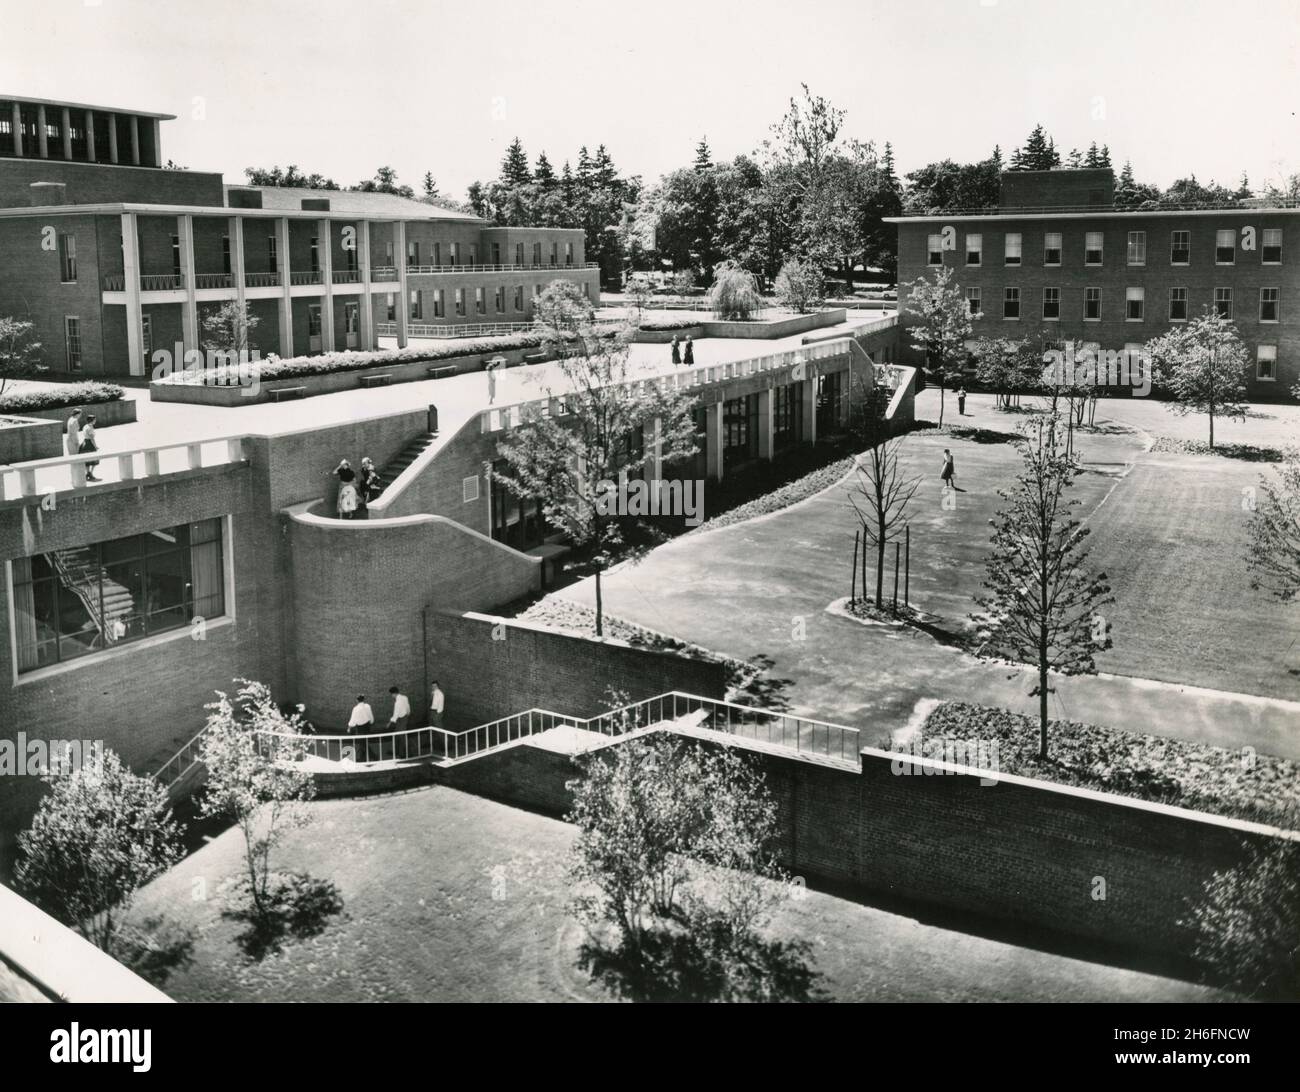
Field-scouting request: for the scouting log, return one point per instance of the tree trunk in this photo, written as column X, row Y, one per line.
column 941, row 388
column 600, row 630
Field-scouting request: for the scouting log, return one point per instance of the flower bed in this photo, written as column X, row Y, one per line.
column 27, row 400
column 1261, row 788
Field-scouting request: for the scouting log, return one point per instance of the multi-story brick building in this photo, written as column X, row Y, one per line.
column 1058, row 260
column 114, row 257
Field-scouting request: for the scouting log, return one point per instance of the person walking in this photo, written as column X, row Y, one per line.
column 689, row 356
column 362, row 719
column 401, row 717
column 961, row 401
column 949, row 471
column 437, row 703
column 677, row 351
column 492, row 383
column 348, row 498
column 368, row 486
column 72, row 434
column 88, row 444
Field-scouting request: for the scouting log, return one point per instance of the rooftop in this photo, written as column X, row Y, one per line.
column 1025, row 212
column 86, row 106
column 353, row 202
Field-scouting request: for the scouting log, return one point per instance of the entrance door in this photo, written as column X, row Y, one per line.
column 313, row 328
column 351, row 324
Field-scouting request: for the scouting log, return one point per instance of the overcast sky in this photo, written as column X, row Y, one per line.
column 341, row 86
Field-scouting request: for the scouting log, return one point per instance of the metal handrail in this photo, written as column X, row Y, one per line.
column 306, row 276
column 213, row 280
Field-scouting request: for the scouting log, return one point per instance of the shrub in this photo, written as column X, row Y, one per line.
column 734, row 294
column 800, row 286
column 73, row 394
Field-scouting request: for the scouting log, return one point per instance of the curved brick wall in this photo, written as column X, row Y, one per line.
column 359, row 589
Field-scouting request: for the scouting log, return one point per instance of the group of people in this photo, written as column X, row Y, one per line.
column 79, row 438
column 683, row 352
column 356, row 489
column 362, row 721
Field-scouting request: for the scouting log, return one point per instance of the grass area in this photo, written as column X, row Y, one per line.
column 1260, row 788
column 449, row 897
column 1253, row 453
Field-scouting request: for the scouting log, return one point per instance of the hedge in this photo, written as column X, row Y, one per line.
column 675, row 323
column 1262, row 788
column 73, row 394
column 273, row 367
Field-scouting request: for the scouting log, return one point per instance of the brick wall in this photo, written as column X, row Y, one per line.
column 90, row 184
column 1020, row 850
column 490, row 667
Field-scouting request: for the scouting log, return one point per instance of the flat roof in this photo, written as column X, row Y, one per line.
column 86, row 106
column 357, row 202
column 118, row 208
column 1082, row 214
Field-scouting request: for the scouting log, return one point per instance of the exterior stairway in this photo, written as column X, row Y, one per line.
column 403, row 459
column 105, row 600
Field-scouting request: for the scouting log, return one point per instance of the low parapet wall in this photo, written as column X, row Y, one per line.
column 25, row 438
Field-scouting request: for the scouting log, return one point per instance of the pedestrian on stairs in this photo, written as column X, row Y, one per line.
column 348, row 498
column 368, row 486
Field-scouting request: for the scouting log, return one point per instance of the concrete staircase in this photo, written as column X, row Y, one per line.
column 105, row 600
column 403, row 459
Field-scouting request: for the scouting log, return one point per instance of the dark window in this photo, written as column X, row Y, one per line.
column 739, row 430
column 830, row 393
column 1177, row 304
column 516, row 521
column 1180, row 247
column 787, row 415
column 1051, row 303
column 68, row 258
column 1092, row 303
column 1011, row 303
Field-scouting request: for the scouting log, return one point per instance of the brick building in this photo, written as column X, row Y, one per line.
column 1057, row 260
column 115, row 257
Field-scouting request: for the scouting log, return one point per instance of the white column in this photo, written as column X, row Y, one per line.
column 713, row 441
column 810, row 410
column 366, row 335
column 236, row 230
column 766, row 422
column 17, row 114
column 131, row 282
column 90, row 137
column 404, row 305
column 325, row 246
column 42, row 137
column 112, row 138
column 190, row 308
column 157, row 143
column 67, row 133
column 135, row 140
column 286, row 300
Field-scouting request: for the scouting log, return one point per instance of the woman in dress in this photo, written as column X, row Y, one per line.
column 88, row 444
column 368, row 487
column 348, row 497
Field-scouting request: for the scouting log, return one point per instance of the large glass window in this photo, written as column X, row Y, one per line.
column 68, row 258
column 739, row 430
column 85, row 599
column 830, row 394
column 787, row 415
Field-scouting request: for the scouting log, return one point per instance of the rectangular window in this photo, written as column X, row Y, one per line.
column 437, row 254
column 1266, row 362
column 176, row 256
column 454, row 253
column 974, row 249
column 1052, row 248
column 315, row 254
column 473, row 253
column 787, row 415
column 519, row 253
column 1225, row 247
column 973, row 300
column 1134, row 300
column 568, row 253
column 480, row 305
column 1011, row 303
column 1178, row 305
column 1268, row 305
column 1051, row 303
column 225, row 255
column 1272, row 251
column 412, row 252
column 313, row 320
column 586, row 290
column 272, row 254
column 68, row 258
column 1011, row 248
column 1092, row 304
column 72, row 341
column 1137, row 248
column 496, row 253
column 519, row 297
column 392, row 306
column 537, row 254
column 460, row 302
column 388, row 252
column 1223, row 302
column 934, row 249
column 417, row 304
column 555, row 254
column 1092, row 248
column 1180, row 247
column 86, row 599
column 439, row 310
column 500, row 299
column 146, row 336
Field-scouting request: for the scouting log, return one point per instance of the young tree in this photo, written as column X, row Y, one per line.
column 1007, row 366
column 943, row 325
column 252, row 751
column 653, row 815
column 1274, row 553
column 560, row 313
column 882, row 491
column 229, row 329
column 800, row 286
column 1042, row 603
column 20, row 353
column 1202, row 364
column 571, row 459
column 100, row 835
column 430, row 185
column 734, row 294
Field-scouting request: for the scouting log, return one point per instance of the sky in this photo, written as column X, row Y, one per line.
column 343, row 86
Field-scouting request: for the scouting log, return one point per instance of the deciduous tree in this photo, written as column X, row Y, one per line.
column 1202, row 365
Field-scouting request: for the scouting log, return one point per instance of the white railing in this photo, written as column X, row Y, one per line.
column 346, row 276
column 306, row 276
column 383, row 273
column 44, row 477
column 262, row 280
column 161, row 282
column 462, row 329
column 685, row 377
column 213, row 280
column 500, row 267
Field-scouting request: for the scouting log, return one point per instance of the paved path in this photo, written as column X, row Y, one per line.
column 763, row 587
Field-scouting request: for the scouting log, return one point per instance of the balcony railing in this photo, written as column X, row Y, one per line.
column 383, row 273
column 214, row 280
column 306, row 276
column 149, row 282
column 346, row 276
column 262, row 280
column 464, row 329
column 498, row 268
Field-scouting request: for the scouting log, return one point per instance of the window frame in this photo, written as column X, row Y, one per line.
column 1008, row 299
column 1265, row 246
column 1276, row 301
column 1140, row 299
column 1099, row 249
column 1219, row 233
column 1056, row 300
column 1135, row 250
column 1048, row 248
column 1086, row 301
column 978, row 251
column 1174, row 247
column 1226, row 297
column 1183, row 299
column 1271, row 360
column 1017, row 258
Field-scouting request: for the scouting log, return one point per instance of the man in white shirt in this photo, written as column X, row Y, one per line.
column 436, row 705
column 360, row 723
column 72, row 434
column 401, row 717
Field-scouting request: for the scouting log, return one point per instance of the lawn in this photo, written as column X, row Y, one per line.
column 449, row 897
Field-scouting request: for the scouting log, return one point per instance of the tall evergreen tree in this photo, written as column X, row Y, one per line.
column 514, row 167
column 543, row 172
column 1093, row 157
column 996, row 157
column 1104, row 159
column 703, row 158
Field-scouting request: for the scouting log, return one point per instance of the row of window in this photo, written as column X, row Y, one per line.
column 1134, row 304
column 499, row 295
column 1180, row 248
